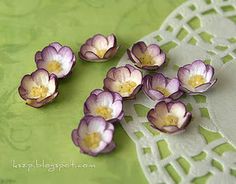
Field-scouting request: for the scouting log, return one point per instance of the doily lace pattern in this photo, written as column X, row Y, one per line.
column 205, row 153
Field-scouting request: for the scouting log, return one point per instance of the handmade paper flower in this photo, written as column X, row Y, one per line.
column 169, row 117
column 56, row 59
column 94, row 136
column 196, row 77
column 158, row 87
column 99, row 48
column 149, row 57
column 38, row 88
column 125, row 80
column 105, row 104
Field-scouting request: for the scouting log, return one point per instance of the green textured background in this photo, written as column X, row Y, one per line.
column 28, row 134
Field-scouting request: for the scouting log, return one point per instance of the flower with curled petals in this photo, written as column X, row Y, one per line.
column 94, row 136
column 99, row 48
column 125, row 80
column 105, row 104
column 196, row 78
column 169, row 117
column 148, row 57
column 38, row 88
column 159, row 88
column 56, row 59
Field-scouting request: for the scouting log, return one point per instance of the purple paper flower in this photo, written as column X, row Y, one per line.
column 56, row 59
column 169, row 117
column 149, row 57
column 125, row 80
column 196, row 78
column 99, row 48
column 94, row 136
column 38, row 88
column 158, row 87
column 105, row 104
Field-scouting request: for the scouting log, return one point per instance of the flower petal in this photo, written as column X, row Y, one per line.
column 111, row 40
column 170, row 129
column 133, row 58
column 90, row 56
column 75, row 137
column 96, row 92
column 209, row 73
column 97, row 124
column 185, row 121
column 83, row 128
column 197, row 67
column 205, row 87
column 110, row 52
column 177, row 108
column 158, row 80
column 121, row 74
column 49, row 53
column 38, row 56
column 67, row 54
column 155, row 95
column 160, row 59
column 56, row 45
column 40, row 77
column 173, row 85
column 109, row 147
column 138, row 49
column 153, row 50
column 100, row 42
column 37, row 104
column 183, row 75
column 87, row 48
column 107, row 136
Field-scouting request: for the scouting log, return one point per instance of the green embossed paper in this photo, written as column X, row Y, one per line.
column 29, row 134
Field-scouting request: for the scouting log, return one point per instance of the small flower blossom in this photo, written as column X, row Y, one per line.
column 99, row 48
column 56, row 59
column 94, row 136
column 38, row 88
column 159, row 88
column 105, row 104
column 125, row 80
column 196, row 77
column 169, row 117
column 149, row 57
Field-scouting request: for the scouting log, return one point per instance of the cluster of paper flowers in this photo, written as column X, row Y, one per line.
column 104, row 107
column 53, row 62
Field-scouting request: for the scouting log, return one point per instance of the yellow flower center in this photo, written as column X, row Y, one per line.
column 101, row 53
column 92, row 140
column 170, row 120
column 54, row 67
column 146, row 60
column 196, row 80
column 105, row 112
column 164, row 91
column 127, row 87
column 39, row 92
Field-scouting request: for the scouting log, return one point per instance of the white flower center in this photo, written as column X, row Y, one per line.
column 39, row 92
column 146, row 60
column 169, row 120
column 54, row 67
column 101, row 53
column 196, row 80
column 164, row 91
column 127, row 87
column 92, row 140
column 105, row 112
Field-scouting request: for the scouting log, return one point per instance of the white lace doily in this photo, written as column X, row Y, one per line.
column 198, row 29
